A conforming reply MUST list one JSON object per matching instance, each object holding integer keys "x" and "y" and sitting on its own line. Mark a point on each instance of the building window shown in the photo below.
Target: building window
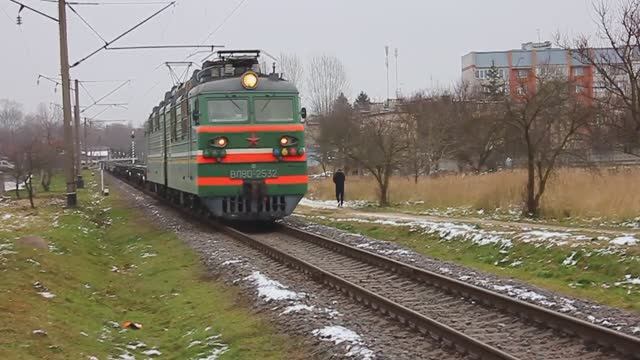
{"x": 523, "y": 74}
{"x": 578, "y": 71}
{"x": 521, "y": 91}
{"x": 580, "y": 89}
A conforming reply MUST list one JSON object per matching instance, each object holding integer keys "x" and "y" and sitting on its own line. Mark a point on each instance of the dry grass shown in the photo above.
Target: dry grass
{"x": 571, "y": 192}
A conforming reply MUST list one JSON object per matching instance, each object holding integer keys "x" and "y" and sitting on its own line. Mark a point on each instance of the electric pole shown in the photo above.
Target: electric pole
{"x": 66, "y": 105}
{"x": 76, "y": 136}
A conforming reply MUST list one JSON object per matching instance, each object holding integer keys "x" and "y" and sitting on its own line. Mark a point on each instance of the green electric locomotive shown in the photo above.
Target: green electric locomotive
{"x": 230, "y": 140}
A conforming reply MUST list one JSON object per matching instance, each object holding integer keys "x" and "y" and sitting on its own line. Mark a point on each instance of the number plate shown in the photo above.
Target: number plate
{"x": 253, "y": 174}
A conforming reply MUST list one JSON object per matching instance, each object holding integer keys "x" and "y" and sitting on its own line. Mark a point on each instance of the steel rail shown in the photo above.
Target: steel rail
{"x": 461, "y": 342}
{"x": 623, "y": 343}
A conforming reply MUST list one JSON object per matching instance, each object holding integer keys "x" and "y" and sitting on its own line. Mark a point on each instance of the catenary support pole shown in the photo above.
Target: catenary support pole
{"x": 76, "y": 136}
{"x": 66, "y": 105}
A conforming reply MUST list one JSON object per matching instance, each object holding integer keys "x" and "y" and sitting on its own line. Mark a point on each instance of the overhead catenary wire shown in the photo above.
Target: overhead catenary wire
{"x": 123, "y": 34}
{"x": 224, "y": 21}
{"x": 107, "y": 95}
{"x": 35, "y": 10}
{"x": 82, "y": 3}
{"x": 86, "y": 23}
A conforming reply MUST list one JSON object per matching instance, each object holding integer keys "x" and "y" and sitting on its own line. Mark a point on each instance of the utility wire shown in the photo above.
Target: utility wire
{"x": 225, "y": 20}
{"x": 34, "y": 10}
{"x": 122, "y": 35}
{"x": 87, "y": 91}
{"x": 112, "y": 2}
{"x": 107, "y": 95}
{"x": 86, "y": 23}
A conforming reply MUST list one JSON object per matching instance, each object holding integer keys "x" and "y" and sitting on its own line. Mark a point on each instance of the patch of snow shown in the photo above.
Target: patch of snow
{"x": 336, "y": 334}
{"x": 635, "y": 330}
{"x": 39, "y": 332}
{"x": 628, "y": 280}
{"x": 271, "y": 289}
{"x": 47, "y": 295}
{"x": 125, "y": 356}
{"x": 331, "y": 204}
{"x": 523, "y": 294}
{"x": 296, "y": 308}
{"x": 136, "y": 345}
{"x": 152, "y": 352}
{"x": 146, "y": 255}
{"x": 6, "y": 216}
{"x": 194, "y": 343}
{"x": 570, "y": 260}
{"x": 339, "y": 334}
{"x": 217, "y": 350}
{"x": 626, "y": 240}
{"x": 331, "y": 312}
{"x": 231, "y": 262}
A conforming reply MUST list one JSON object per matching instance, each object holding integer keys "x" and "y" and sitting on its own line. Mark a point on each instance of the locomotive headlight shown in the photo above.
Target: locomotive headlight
{"x": 250, "y": 80}
{"x": 287, "y": 141}
{"x": 220, "y": 142}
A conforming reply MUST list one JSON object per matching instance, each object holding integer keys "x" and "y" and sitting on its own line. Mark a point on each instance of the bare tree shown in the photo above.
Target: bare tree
{"x": 428, "y": 123}
{"x": 326, "y": 80}
{"x": 615, "y": 56}
{"x": 551, "y": 120}
{"x": 292, "y": 68}
{"x": 378, "y": 145}
{"x": 11, "y": 118}
{"x": 49, "y": 121}
{"x": 479, "y": 131}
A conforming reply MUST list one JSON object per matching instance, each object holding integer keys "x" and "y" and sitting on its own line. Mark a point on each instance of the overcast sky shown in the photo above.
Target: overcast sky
{"x": 431, "y": 36}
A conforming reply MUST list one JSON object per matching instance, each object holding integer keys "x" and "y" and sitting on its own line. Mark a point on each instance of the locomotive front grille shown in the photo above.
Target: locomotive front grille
{"x": 245, "y": 205}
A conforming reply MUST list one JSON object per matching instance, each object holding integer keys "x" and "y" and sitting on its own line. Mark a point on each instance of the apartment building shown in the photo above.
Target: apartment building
{"x": 520, "y": 68}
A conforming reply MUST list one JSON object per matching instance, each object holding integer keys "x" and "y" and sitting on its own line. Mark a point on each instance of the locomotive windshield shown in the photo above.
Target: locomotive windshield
{"x": 228, "y": 110}
{"x": 274, "y": 109}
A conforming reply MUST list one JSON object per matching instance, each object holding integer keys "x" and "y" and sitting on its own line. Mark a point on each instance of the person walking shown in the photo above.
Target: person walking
{"x": 338, "y": 179}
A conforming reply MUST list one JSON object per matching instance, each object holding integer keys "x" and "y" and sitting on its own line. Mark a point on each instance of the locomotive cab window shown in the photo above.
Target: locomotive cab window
{"x": 274, "y": 109}
{"x": 230, "y": 110}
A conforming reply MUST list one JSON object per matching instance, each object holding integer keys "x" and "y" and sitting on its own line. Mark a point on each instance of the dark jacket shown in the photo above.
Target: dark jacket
{"x": 338, "y": 179}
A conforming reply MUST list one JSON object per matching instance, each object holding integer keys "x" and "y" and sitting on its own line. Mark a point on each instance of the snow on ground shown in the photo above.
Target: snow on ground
{"x": 47, "y": 295}
{"x": 297, "y": 308}
{"x": 629, "y": 280}
{"x": 272, "y": 290}
{"x": 11, "y": 185}
{"x": 339, "y": 334}
{"x": 447, "y": 230}
{"x": 626, "y": 240}
{"x": 331, "y": 204}
{"x": 523, "y": 294}
{"x": 231, "y": 262}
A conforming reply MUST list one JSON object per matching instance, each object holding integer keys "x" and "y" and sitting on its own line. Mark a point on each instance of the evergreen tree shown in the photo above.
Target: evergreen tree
{"x": 341, "y": 104}
{"x": 495, "y": 84}
{"x": 362, "y": 101}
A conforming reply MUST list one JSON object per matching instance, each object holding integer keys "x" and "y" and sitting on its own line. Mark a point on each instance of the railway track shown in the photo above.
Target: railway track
{"x": 472, "y": 320}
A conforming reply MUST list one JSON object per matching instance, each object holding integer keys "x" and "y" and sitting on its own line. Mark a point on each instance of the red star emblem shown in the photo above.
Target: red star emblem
{"x": 253, "y": 139}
